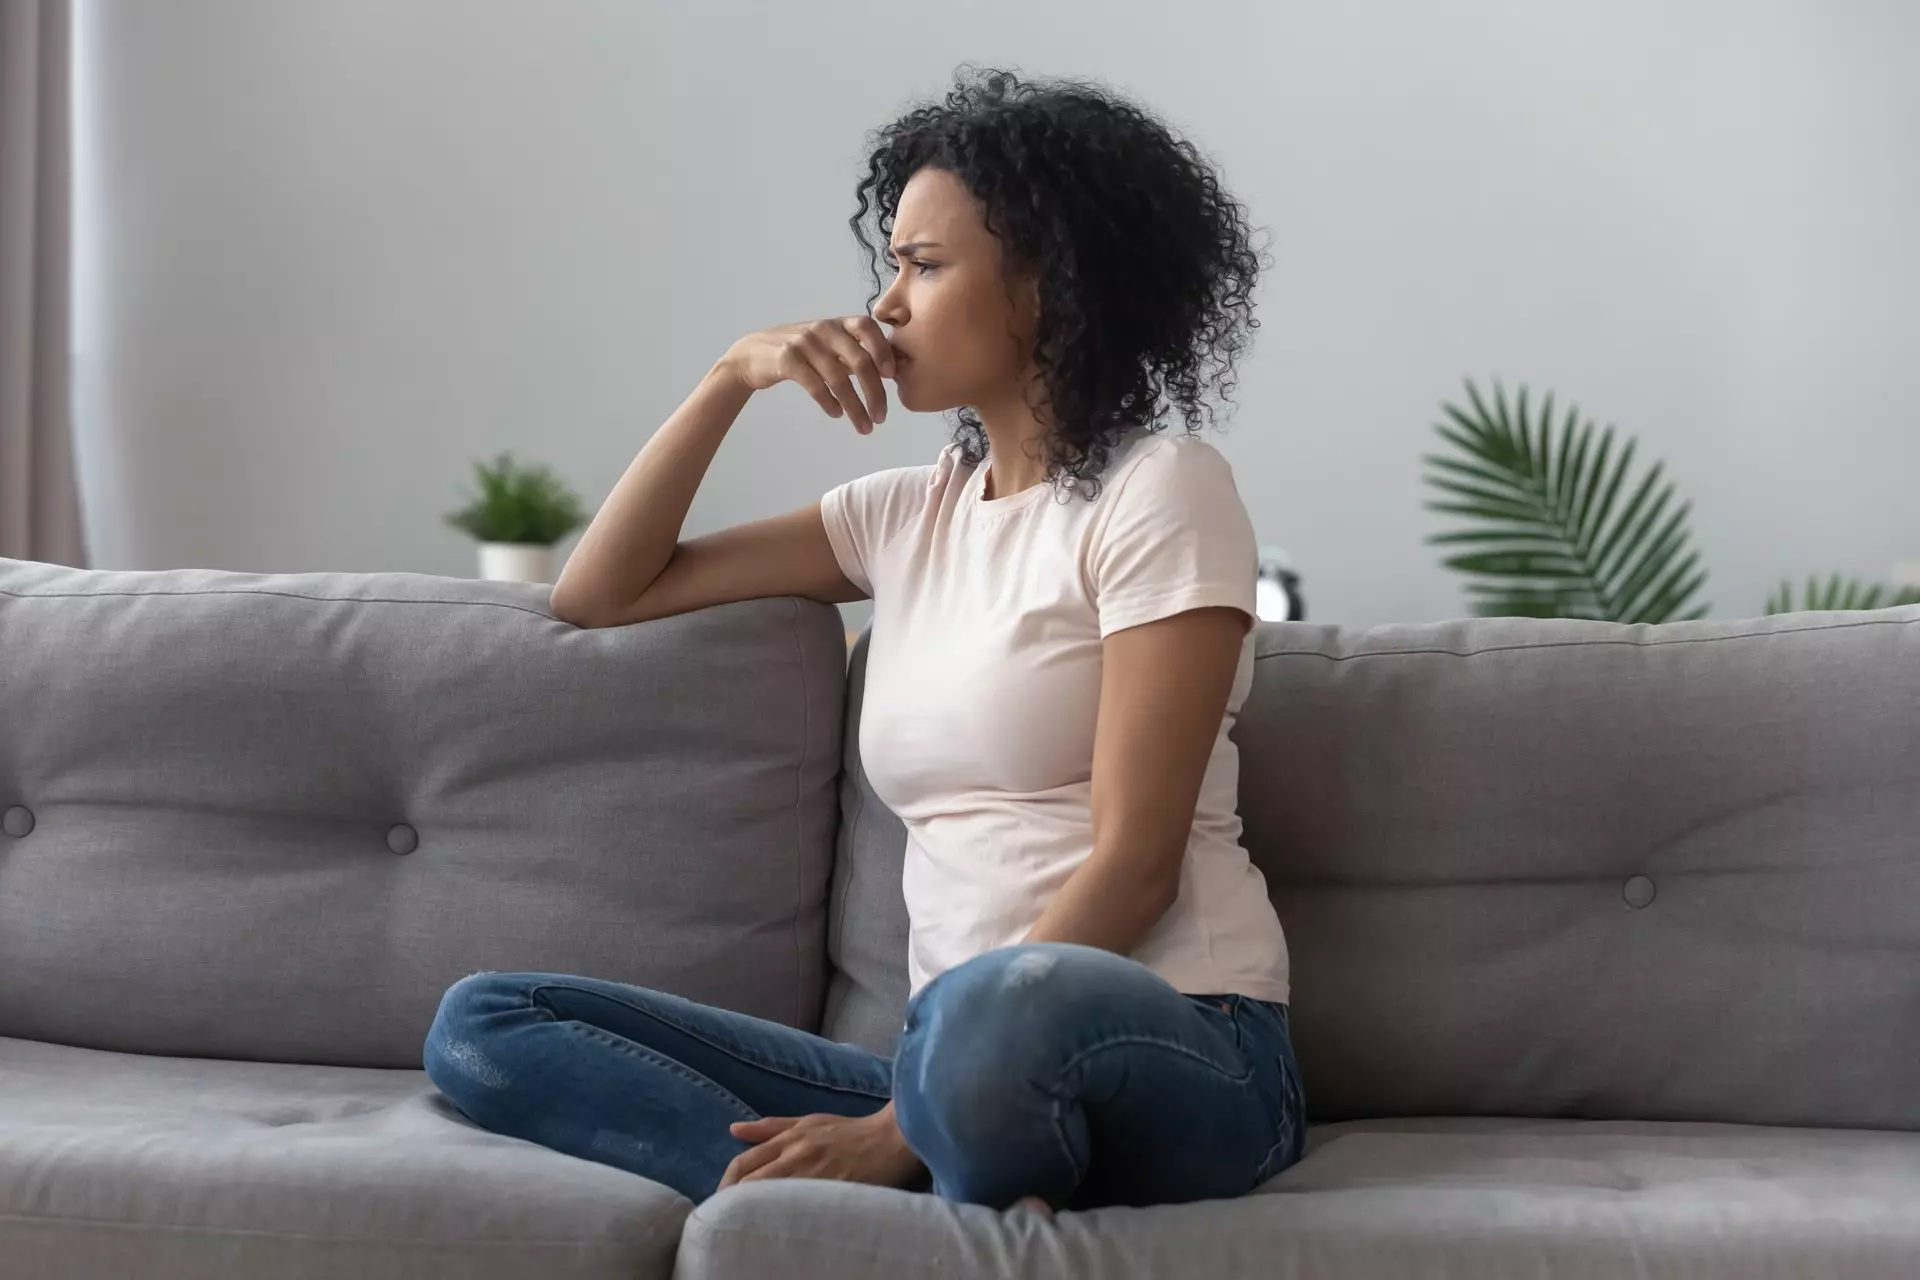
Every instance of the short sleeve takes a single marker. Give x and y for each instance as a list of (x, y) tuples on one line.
[(1177, 537), (862, 516)]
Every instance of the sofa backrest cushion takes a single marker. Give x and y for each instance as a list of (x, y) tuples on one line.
[(867, 915), (274, 817)]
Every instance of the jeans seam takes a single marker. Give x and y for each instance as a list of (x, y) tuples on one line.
[(1135, 1038), (1296, 1120), (1066, 1147), (1294, 1117), (662, 1060), (732, 1051), (1240, 1081)]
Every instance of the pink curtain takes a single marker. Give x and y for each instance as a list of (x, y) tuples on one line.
[(40, 515)]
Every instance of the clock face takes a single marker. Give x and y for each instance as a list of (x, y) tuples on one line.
[(1271, 601), (1273, 590)]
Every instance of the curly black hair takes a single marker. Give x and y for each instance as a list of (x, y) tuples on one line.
[(1144, 263)]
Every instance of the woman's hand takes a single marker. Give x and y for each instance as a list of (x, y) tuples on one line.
[(824, 357), (869, 1149)]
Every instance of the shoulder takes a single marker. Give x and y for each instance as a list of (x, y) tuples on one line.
[(1168, 489), (884, 488), (1174, 535), (1169, 470), (872, 510), (890, 478), (949, 465)]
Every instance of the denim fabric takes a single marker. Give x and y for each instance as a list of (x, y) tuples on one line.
[(1080, 1076), (1054, 1070)]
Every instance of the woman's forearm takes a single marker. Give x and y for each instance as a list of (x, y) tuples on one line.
[(1112, 901), (638, 527)]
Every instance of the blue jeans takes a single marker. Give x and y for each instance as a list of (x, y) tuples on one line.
[(1065, 1072)]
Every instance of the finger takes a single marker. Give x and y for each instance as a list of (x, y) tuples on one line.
[(747, 1161), (829, 365), (860, 358), (867, 331), (801, 370), (763, 1128), (844, 359), (785, 1164), (816, 348)]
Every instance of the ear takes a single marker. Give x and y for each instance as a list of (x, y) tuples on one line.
[(1024, 294)]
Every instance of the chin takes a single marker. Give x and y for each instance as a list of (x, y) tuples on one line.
[(911, 401), (916, 399)]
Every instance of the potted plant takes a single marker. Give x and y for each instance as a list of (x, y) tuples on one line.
[(517, 517), (1561, 532)]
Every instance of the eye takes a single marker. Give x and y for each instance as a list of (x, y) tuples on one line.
[(925, 266)]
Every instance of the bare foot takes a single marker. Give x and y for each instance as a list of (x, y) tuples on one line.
[(1034, 1203)]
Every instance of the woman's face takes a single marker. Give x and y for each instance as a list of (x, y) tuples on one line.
[(959, 337)]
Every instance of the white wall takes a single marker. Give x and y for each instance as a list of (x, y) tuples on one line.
[(331, 253)]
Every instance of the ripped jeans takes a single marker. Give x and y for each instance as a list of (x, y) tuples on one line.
[(1051, 1070)]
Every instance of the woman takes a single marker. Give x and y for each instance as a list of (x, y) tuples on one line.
[(1062, 613)]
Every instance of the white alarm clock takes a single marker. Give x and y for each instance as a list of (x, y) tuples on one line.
[(1277, 596)]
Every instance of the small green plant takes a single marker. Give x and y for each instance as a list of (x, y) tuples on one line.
[(519, 503), (1839, 593), (1553, 544)]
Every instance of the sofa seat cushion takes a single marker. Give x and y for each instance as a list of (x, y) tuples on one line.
[(1489, 1198), (116, 1165)]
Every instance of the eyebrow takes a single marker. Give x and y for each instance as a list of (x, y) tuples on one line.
[(915, 247)]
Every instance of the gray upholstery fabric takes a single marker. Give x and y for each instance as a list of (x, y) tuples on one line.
[(115, 1165), (1485, 1198), (866, 914), (1596, 871), (1457, 819), (274, 817)]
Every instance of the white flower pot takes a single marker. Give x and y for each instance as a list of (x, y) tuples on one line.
[(516, 562)]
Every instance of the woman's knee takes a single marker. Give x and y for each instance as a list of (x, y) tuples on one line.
[(989, 1047), (1006, 1019), (1035, 984), (456, 1053)]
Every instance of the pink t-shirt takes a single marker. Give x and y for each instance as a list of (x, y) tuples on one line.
[(983, 685)]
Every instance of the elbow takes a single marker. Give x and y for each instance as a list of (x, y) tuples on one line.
[(1163, 874), (569, 610), (1163, 891), (563, 609), (1156, 887), (1146, 879)]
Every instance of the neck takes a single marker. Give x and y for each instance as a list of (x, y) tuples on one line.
[(1016, 449)]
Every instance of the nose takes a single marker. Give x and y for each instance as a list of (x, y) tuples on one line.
[(887, 308)]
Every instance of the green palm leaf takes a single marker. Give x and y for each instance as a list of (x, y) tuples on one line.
[(1552, 537), (1840, 593)]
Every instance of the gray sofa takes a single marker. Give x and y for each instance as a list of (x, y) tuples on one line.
[(1605, 938)]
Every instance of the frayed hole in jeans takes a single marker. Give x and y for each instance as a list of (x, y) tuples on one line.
[(1028, 968), (469, 1061)]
